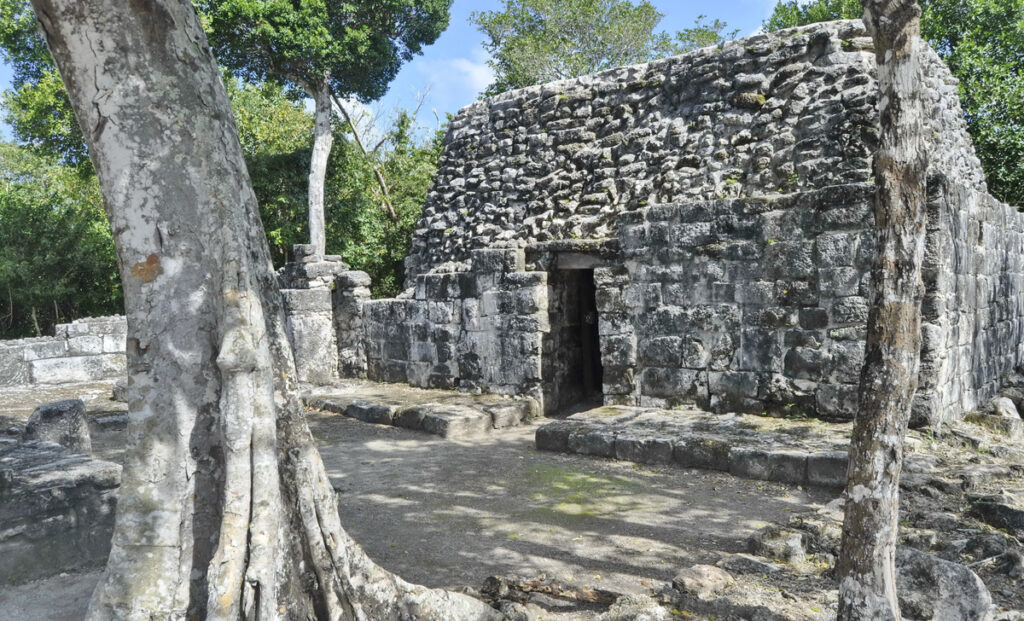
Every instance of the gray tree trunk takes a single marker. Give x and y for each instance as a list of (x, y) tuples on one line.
[(225, 510), (323, 139), (866, 567)]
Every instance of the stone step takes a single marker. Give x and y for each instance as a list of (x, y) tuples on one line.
[(447, 414), (801, 452)]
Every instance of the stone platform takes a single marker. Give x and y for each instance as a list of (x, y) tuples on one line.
[(449, 414), (798, 451), (56, 510)]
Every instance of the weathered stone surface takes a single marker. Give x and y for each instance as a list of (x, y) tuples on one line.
[(747, 564), (597, 441), (1002, 406), (56, 510), (635, 608), (1011, 426), (931, 588), (454, 422), (775, 542), (370, 412), (61, 422), (827, 468), (1003, 511), (120, 390), (643, 450), (702, 580)]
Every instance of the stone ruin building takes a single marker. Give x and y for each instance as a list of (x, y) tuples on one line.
[(695, 230), (692, 230)]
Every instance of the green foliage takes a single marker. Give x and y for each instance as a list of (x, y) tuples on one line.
[(37, 108), (357, 227), (57, 259), (360, 45), (789, 13), (982, 41), (537, 41), (276, 134)]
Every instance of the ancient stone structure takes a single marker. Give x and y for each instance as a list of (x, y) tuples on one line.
[(85, 350), (696, 230)]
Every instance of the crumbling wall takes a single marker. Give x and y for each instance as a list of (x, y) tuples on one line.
[(85, 350), (773, 113)]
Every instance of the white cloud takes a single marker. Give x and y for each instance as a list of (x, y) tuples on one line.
[(459, 79), (476, 75)]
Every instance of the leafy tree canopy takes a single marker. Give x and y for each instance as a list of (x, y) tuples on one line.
[(536, 41), (57, 259), (359, 44), (982, 41)]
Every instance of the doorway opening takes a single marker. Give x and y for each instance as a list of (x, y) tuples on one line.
[(572, 369)]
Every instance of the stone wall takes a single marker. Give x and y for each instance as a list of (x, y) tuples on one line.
[(85, 350), (748, 304), (769, 114), (737, 181), (475, 330)]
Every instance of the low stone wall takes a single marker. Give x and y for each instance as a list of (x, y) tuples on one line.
[(480, 329), (85, 350)]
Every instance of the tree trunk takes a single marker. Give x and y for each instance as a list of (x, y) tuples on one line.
[(322, 141), (866, 567), (225, 509)]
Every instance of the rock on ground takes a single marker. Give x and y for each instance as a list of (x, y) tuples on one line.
[(636, 608), (62, 422), (702, 580), (931, 588)]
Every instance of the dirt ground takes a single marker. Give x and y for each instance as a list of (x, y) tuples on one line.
[(450, 514)]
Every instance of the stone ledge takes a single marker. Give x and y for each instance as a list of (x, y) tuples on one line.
[(451, 415), (801, 452), (56, 510)]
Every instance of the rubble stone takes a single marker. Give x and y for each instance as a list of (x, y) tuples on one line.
[(61, 422)]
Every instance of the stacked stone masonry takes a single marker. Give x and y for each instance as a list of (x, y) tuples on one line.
[(724, 200), (86, 350)]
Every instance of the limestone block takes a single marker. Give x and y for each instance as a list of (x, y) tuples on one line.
[(553, 437), (827, 468), (77, 369), (14, 370), (702, 580), (705, 453), (931, 588), (57, 509), (453, 422), (113, 343), (46, 349), (598, 441), (61, 422), (370, 412)]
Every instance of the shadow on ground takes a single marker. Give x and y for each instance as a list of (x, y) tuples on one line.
[(446, 513)]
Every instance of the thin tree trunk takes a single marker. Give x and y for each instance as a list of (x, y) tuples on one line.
[(225, 509), (323, 139), (866, 567)]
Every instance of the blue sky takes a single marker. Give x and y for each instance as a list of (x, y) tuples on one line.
[(454, 70)]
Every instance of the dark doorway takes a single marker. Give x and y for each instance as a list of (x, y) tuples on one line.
[(572, 351)]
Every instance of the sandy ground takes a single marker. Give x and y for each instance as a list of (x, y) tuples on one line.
[(450, 514)]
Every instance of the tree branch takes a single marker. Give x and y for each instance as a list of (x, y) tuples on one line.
[(389, 209)]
